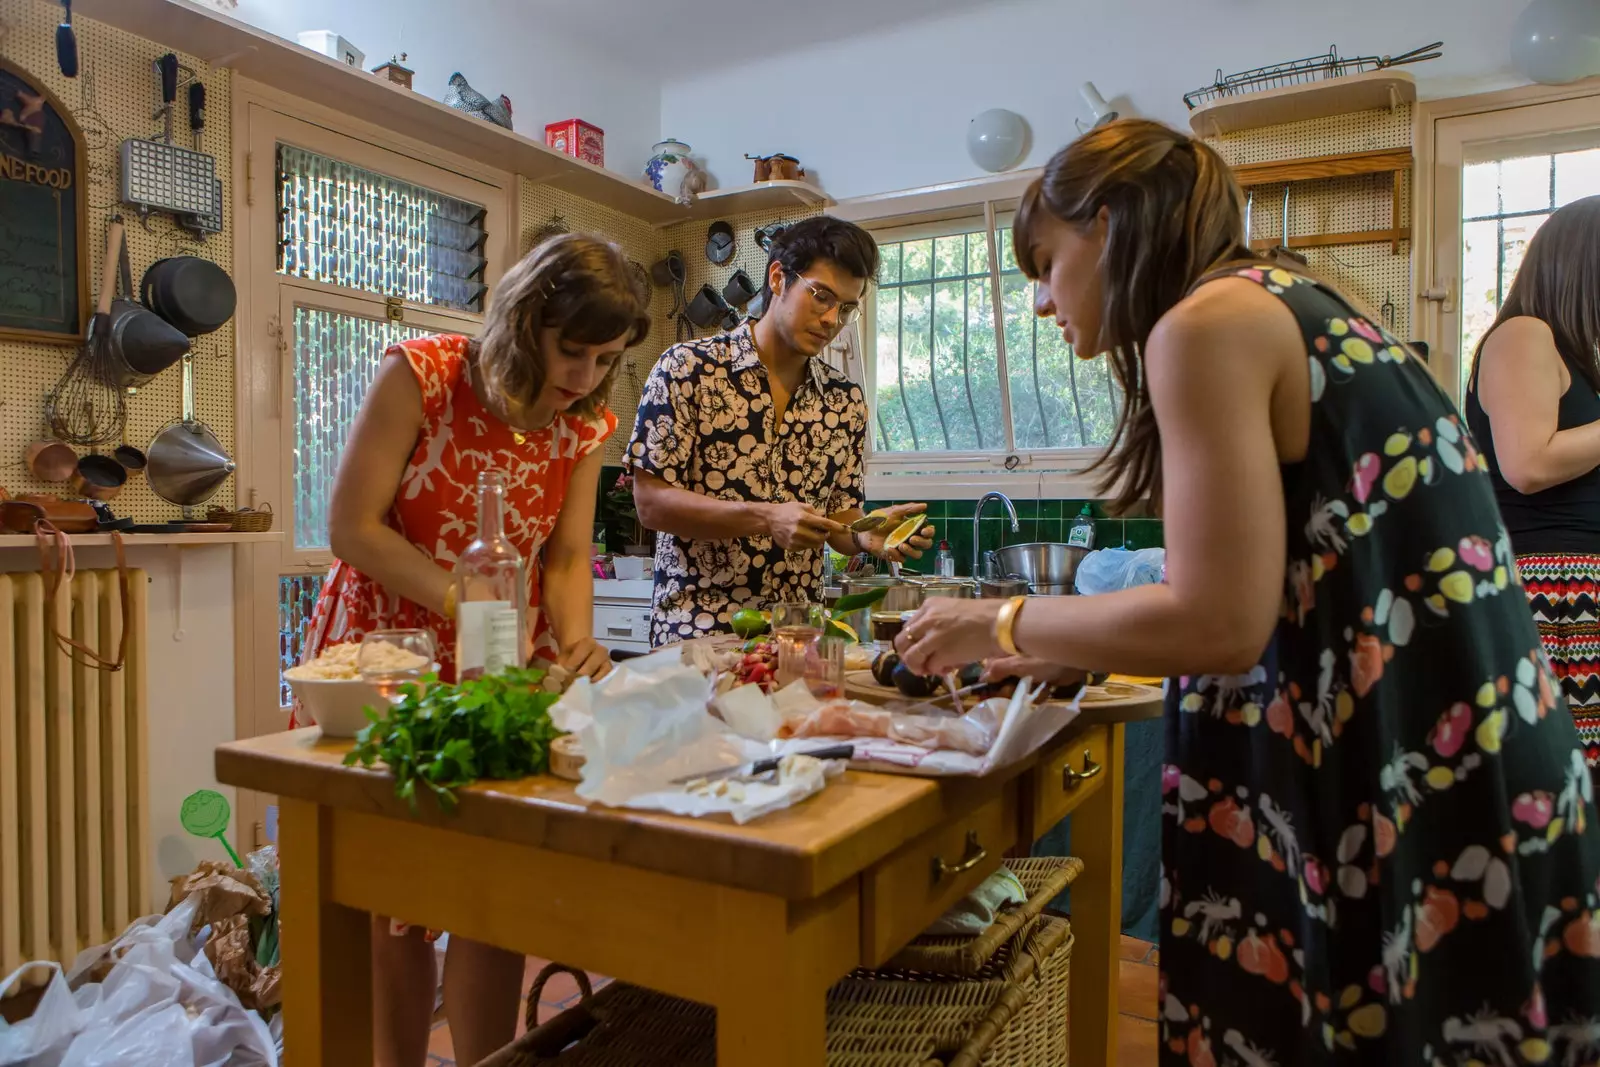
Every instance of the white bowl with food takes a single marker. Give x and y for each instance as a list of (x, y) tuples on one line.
[(334, 695)]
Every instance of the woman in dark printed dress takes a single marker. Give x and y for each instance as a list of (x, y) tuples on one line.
[(1379, 839), (1533, 404)]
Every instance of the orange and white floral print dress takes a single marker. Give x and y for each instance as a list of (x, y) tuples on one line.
[(436, 505)]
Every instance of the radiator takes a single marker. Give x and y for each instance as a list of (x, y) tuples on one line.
[(74, 830)]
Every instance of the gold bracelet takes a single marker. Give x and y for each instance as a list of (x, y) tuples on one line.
[(450, 602), (1005, 625)]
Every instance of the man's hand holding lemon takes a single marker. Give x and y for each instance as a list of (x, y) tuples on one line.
[(901, 537)]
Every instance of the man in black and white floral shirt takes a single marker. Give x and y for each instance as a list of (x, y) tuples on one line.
[(748, 449)]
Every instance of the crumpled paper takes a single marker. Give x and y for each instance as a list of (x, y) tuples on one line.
[(645, 728), (222, 890), (225, 898)]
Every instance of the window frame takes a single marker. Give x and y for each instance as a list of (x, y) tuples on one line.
[(982, 205)]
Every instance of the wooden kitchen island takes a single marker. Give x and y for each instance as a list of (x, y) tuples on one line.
[(757, 920)]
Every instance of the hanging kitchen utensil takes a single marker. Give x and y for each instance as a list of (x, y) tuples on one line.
[(161, 176), (132, 460), (641, 278), (740, 290), (707, 308), (719, 243), (1387, 312), (140, 343), (66, 43), (195, 295), (554, 227), (86, 407), (765, 234), (51, 461), (99, 477), (187, 464)]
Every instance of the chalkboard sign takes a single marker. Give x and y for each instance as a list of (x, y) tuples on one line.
[(44, 292)]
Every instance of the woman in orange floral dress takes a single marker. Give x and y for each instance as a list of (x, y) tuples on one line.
[(526, 399)]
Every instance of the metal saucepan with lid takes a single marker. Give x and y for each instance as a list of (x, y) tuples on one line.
[(904, 594)]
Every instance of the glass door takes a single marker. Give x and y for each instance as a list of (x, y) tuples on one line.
[(1498, 176)]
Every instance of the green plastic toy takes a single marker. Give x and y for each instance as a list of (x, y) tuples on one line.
[(206, 814)]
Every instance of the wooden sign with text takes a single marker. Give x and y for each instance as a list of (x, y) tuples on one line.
[(44, 292)]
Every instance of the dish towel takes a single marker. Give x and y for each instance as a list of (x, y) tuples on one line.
[(978, 910)]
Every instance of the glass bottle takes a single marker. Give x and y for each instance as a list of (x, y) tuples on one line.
[(491, 591)]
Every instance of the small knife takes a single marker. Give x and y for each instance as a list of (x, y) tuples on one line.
[(767, 766)]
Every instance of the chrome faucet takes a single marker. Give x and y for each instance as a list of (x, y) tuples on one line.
[(977, 514)]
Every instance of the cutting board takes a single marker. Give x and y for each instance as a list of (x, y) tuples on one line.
[(1118, 692)]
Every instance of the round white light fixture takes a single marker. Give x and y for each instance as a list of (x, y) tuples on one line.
[(997, 139), (1557, 41)]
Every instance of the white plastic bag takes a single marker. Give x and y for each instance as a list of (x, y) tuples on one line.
[(160, 1005), (41, 1039), (1112, 569)]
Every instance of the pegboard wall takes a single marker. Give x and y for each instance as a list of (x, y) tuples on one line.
[(1371, 274), (112, 99), (540, 206)]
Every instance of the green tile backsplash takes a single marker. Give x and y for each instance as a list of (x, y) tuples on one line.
[(1039, 520)]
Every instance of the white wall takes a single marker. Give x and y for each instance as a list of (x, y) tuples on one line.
[(889, 110), (189, 687), (501, 47)]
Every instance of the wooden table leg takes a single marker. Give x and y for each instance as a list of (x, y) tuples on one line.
[(327, 949), (1097, 915), (777, 961)]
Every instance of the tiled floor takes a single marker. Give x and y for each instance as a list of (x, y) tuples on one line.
[(1136, 1032)]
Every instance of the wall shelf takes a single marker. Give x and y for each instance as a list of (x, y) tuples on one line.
[(289, 68), (1394, 161), (29, 542), (1298, 103)]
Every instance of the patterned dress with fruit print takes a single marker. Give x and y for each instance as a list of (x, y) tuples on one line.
[(1380, 845), (436, 505)]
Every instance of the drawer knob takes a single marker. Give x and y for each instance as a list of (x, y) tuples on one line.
[(973, 855), (1071, 779)]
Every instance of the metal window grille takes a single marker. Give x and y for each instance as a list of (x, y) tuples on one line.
[(336, 357), (949, 366), (347, 226), (297, 599)]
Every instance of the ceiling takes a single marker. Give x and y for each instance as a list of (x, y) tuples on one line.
[(704, 32)]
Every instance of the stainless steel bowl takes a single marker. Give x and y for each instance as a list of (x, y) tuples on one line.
[(1001, 588), (1043, 565)]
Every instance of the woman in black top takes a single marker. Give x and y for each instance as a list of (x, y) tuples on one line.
[(1533, 403)]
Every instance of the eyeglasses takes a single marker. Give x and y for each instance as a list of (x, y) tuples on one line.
[(827, 301)]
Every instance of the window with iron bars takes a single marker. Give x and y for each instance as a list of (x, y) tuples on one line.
[(957, 373)]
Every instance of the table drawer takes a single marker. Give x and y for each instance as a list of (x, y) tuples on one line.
[(621, 624), (903, 894), (1067, 776)]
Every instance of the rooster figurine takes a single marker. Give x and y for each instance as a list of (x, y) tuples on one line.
[(464, 97)]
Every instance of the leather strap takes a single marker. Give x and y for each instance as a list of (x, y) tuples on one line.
[(59, 571)]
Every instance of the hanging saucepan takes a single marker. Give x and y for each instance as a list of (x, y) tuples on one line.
[(99, 477), (191, 293), (141, 344)]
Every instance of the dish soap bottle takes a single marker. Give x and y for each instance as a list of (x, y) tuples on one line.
[(491, 591), (945, 563), (1082, 533)]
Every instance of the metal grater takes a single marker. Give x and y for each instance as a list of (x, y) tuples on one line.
[(165, 177)]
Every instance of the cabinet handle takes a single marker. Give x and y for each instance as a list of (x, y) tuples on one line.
[(973, 855), (1071, 779)]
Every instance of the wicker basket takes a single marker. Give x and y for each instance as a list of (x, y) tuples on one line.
[(1011, 1011), (1044, 878), (247, 521)]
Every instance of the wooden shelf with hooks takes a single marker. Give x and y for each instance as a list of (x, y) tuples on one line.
[(1395, 162)]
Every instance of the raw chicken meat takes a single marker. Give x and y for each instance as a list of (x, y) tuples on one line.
[(973, 732)]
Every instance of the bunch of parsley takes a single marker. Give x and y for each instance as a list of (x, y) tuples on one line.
[(441, 737)]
